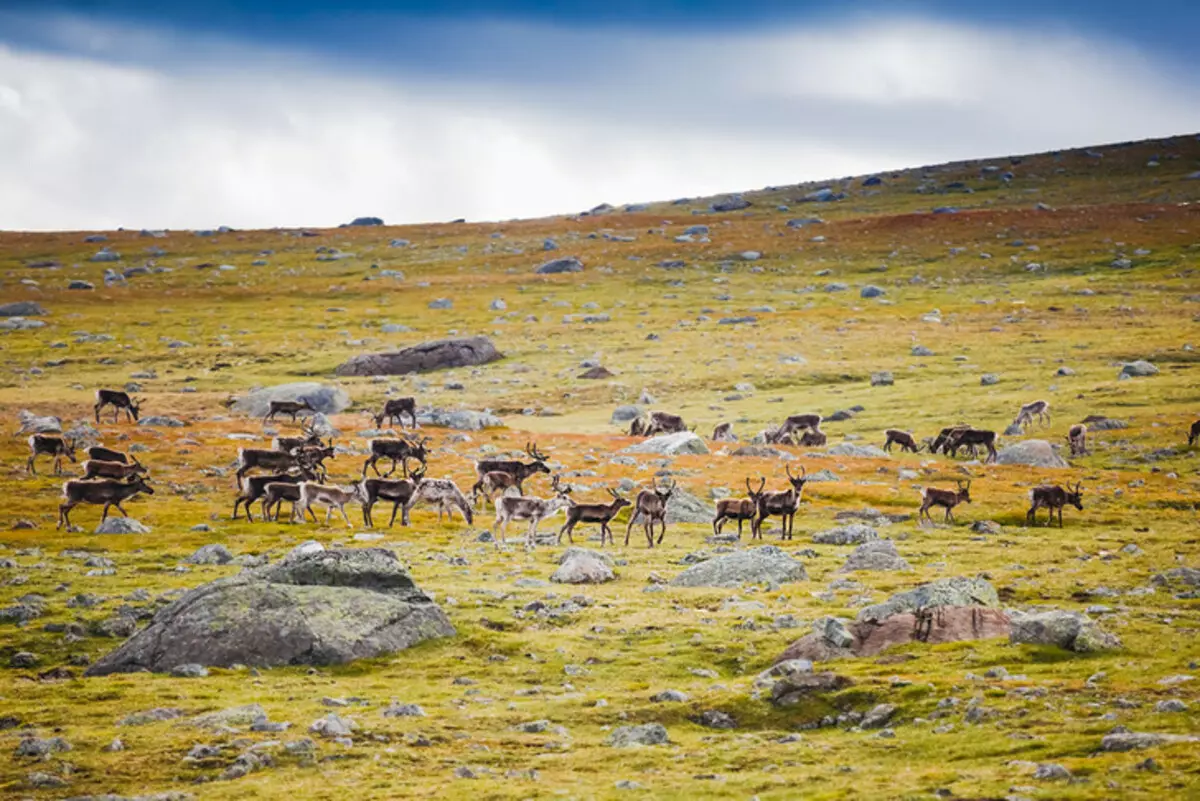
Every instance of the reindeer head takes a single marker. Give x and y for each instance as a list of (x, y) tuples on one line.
[(418, 475), (1075, 496), (539, 458), (637, 428), (755, 495), (664, 494), (138, 467), (559, 489), (619, 502), (70, 444), (797, 481), (135, 406), (418, 450), (964, 491), (141, 484)]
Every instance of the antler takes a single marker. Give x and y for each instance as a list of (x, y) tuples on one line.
[(614, 493), (532, 449)]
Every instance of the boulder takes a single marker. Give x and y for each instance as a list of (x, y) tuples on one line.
[(312, 608), (357, 221), (625, 414), (33, 424), (22, 308), (759, 451), (884, 378), (872, 291), (684, 507), (1121, 739), (212, 554), (857, 451), (763, 565), (1032, 452), (567, 265), (583, 566), (853, 534), (683, 442), (325, 398), (121, 525), (596, 373), (161, 421), (645, 734), (957, 591), (730, 203), (459, 420), (1071, 631), (866, 638), (1139, 369), (794, 687), (438, 355), (875, 555)]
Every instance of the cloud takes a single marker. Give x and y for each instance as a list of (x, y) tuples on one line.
[(123, 126)]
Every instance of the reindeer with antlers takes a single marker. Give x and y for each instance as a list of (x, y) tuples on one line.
[(520, 471), (947, 499), (651, 506), (495, 481), (785, 504), (119, 401), (287, 407), (535, 510), (95, 468), (443, 492), (399, 451), (109, 493), (50, 445), (308, 439), (1038, 408), (1053, 498), (398, 491), (602, 513)]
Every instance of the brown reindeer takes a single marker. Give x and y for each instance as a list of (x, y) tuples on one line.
[(256, 489), (119, 401), (395, 409), (1053, 498), (1077, 439), (109, 493), (102, 454), (602, 513), (651, 506), (970, 438), (1039, 409), (1194, 433), (287, 407), (779, 436), (799, 422), (496, 481), (535, 510), (785, 504), (813, 438), (664, 423), (398, 491), (275, 493), (724, 433), (932, 496), (399, 451), (738, 509), (902, 438), (308, 458), (947, 435), (308, 439), (51, 445), (520, 471), (94, 468)]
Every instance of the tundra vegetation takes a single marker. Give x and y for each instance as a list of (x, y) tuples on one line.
[(1059, 276)]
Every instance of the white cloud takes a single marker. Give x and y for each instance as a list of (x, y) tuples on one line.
[(187, 134)]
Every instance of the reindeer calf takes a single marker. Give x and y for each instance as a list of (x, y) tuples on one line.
[(739, 509), (1053, 498), (947, 499), (902, 438), (330, 497)]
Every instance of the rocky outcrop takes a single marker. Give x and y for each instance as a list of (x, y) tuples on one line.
[(426, 357), (1031, 452), (324, 398), (836, 639), (763, 565), (1071, 631), (684, 442), (583, 566), (957, 591)]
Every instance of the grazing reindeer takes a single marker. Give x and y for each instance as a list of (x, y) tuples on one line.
[(109, 493), (118, 400), (102, 454), (395, 409), (275, 493), (1052, 498), (798, 422), (724, 433), (518, 470), (902, 438), (1194, 433), (664, 423), (535, 510), (292, 408), (94, 468), (932, 496), (778, 436), (1077, 439), (947, 435), (445, 493), (491, 483), (399, 451), (813, 438), (970, 438), (51, 445), (738, 509), (256, 489), (304, 458), (308, 439), (1039, 409), (651, 506), (602, 513), (785, 504), (638, 427), (330, 496), (398, 491)]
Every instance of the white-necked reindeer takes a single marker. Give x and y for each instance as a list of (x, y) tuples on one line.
[(535, 510), (1039, 409)]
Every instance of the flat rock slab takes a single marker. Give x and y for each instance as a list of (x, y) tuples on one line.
[(21, 308), (1031, 452), (762, 565), (317, 608), (324, 398), (426, 357), (683, 442), (941, 625)]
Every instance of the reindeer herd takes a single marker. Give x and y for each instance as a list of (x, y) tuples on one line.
[(295, 472)]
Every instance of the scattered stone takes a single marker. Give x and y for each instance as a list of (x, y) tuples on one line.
[(395, 710), (1031, 452), (121, 525), (554, 266), (22, 308), (683, 442), (884, 378), (212, 554), (331, 726), (1071, 631), (956, 591), (1121, 739), (669, 696), (878, 717), (989, 379), (1138, 369), (853, 534), (875, 555), (715, 719), (583, 566), (645, 734), (41, 747), (766, 564)]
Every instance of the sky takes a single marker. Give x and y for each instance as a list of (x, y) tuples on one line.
[(263, 113)]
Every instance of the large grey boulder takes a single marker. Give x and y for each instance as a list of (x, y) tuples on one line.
[(853, 534), (212, 554), (21, 308), (1139, 369), (121, 525), (857, 451), (459, 420), (440, 354), (763, 565), (33, 424), (1121, 739), (325, 398), (626, 414), (730, 203), (644, 734), (312, 608), (567, 265), (684, 507), (876, 555), (1031, 452), (583, 566), (957, 591), (683, 442), (1071, 631)]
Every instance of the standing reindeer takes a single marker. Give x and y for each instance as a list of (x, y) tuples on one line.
[(399, 451), (535, 510), (395, 409), (970, 438), (738, 509), (287, 407), (1039, 409), (902, 438), (256, 489), (947, 499), (94, 468), (659, 423), (602, 513), (443, 492), (651, 506), (1053, 498), (330, 497), (945, 437), (308, 439), (398, 491), (102, 454), (518, 470), (118, 400), (1077, 439), (724, 433), (785, 503), (1194, 433), (304, 458), (491, 483), (51, 445), (109, 493)]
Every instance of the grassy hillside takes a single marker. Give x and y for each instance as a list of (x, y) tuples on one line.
[(1082, 260)]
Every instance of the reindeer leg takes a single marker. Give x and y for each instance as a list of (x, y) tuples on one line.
[(662, 532), (328, 512), (63, 509), (629, 528), (395, 507), (345, 516), (29, 465), (96, 409), (104, 515)]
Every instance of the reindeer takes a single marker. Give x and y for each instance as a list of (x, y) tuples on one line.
[(118, 400), (902, 438), (491, 483), (310, 458), (535, 510), (602, 513), (1039, 409), (287, 407), (275, 493), (724, 433), (651, 506), (1077, 439), (785, 503), (664, 423), (109, 493), (94, 468), (330, 496), (738, 509), (1194, 433), (51, 445), (256, 487), (395, 409), (399, 451), (778, 436), (813, 438), (798, 422), (308, 439), (1052, 498), (970, 438), (638, 427), (945, 437), (102, 454), (398, 491), (445, 493), (518, 470), (932, 496)]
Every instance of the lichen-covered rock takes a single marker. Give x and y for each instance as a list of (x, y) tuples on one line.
[(1139, 369), (211, 554), (853, 534), (22, 308), (121, 525), (763, 565), (857, 451), (583, 566), (1031, 452), (321, 608), (459, 419), (554, 266), (423, 358), (876, 555), (324, 398), (683, 442), (793, 687), (625, 414), (645, 734), (957, 591), (1071, 631), (684, 507)]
